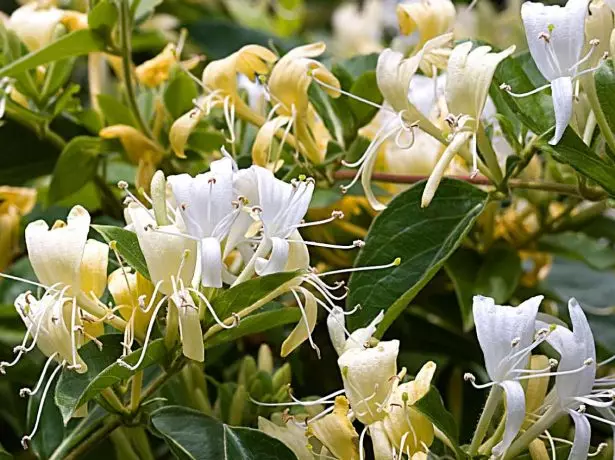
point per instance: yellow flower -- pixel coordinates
(156, 71)
(14, 203)
(36, 26)
(430, 18)
(141, 151)
(288, 86)
(182, 128)
(357, 30)
(336, 432)
(291, 434)
(406, 428)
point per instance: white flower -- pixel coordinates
(205, 203)
(506, 336)
(555, 36)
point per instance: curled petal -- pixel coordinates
(515, 413)
(561, 92)
(582, 437)
(304, 327)
(211, 262)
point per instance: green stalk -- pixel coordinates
(493, 400)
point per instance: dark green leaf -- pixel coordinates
(422, 237)
(75, 43)
(462, 267)
(204, 142)
(24, 156)
(605, 82)
(75, 167)
(195, 436)
(432, 407)
(536, 112)
(597, 254)
(256, 323)
(499, 273)
(179, 94)
(51, 429)
(115, 112)
(127, 246)
(4, 455)
(56, 76)
(358, 65)
(365, 87)
(102, 17)
(251, 293)
(74, 390)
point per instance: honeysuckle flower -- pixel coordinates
(507, 337)
(555, 36)
(206, 205)
(262, 148)
(469, 75)
(155, 71)
(140, 150)
(182, 128)
(335, 431)
(36, 26)
(428, 18)
(292, 434)
(15, 202)
(409, 431)
(368, 375)
(357, 30)
(288, 88)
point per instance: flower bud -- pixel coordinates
(265, 359)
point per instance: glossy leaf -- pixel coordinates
(75, 43)
(257, 291)
(365, 87)
(605, 82)
(179, 94)
(422, 237)
(598, 254)
(75, 167)
(256, 323)
(432, 407)
(115, 112)
(536, 112)
(127, 246)
(75, 389)
(195, 436)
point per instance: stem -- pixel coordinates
(109, 395)
(96, 437)
(491, 159)
(127, 65)
(486, 448)
(564, 189)
(135, 391)
(139, 442)
(590, 90)
(532, 433)
(123, 447)
(491, 405)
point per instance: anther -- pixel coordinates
(358, 243)
(553, 363)
(469, 377)
(337, 214)
(506, 87)
(25, 392)
(588, 362)
(594, 42)
(582, 409)
(122, 185)
(515, 342)
(544, 36)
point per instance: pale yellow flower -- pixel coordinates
(15, 202)
(336, 433)
(156, 70)
(357, 30)
(291, 434)
(430, 18)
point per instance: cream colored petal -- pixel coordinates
(22, 198)
(304, 327)
(336, 432)
(263, 142)
(291, 435)
(135, 143)
(182, 128)
(190, 330)
(93, 270)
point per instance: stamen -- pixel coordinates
(355, 244)
(28, 437)
(164, 232)
(73, 344)
(30, 392)
(351, 95)
(33, 283)
(334, 215)
(220, 323)
(323, 400)
(508, 89)
(361, 442)
(593, 43)
(395, 263)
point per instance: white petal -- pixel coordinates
(336, 322)
(190, 330)
(582, 435)
(567, 26)
(304, 327)
(93, 267)
(277, 260)
(211, 262)
(56, 254)
(561, 91)
(298, 254)
(515, 413)
(361, 336)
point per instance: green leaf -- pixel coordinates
(179, 94)
(251, 293)
(56, 76)
(253, 324)
(204, 142)
(102, 17)
(605, 82)
(499, 274)
(24, 156)
(422, 237)
(195, 436)
(462, 267)
(366, 87)
(75, 43)
(598, 254)
(4, 455)
(432, 407)
(51, 431)
(115, 112)
(75, 167)
(358, 65)
(74, 390)
(127, 246)
(536, 112)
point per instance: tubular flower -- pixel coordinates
(206, 205)
(140, 150)
(156, 71)
(409, 431)
(15, 202)
(335, 431)
(182, 128)
(507, 337)
(291, 434)
(288, 86)
(429, 18)
(357, 30)
(36, 26)
(220, 81)
(555, 36)
(469, 76)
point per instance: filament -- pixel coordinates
(30, 392)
